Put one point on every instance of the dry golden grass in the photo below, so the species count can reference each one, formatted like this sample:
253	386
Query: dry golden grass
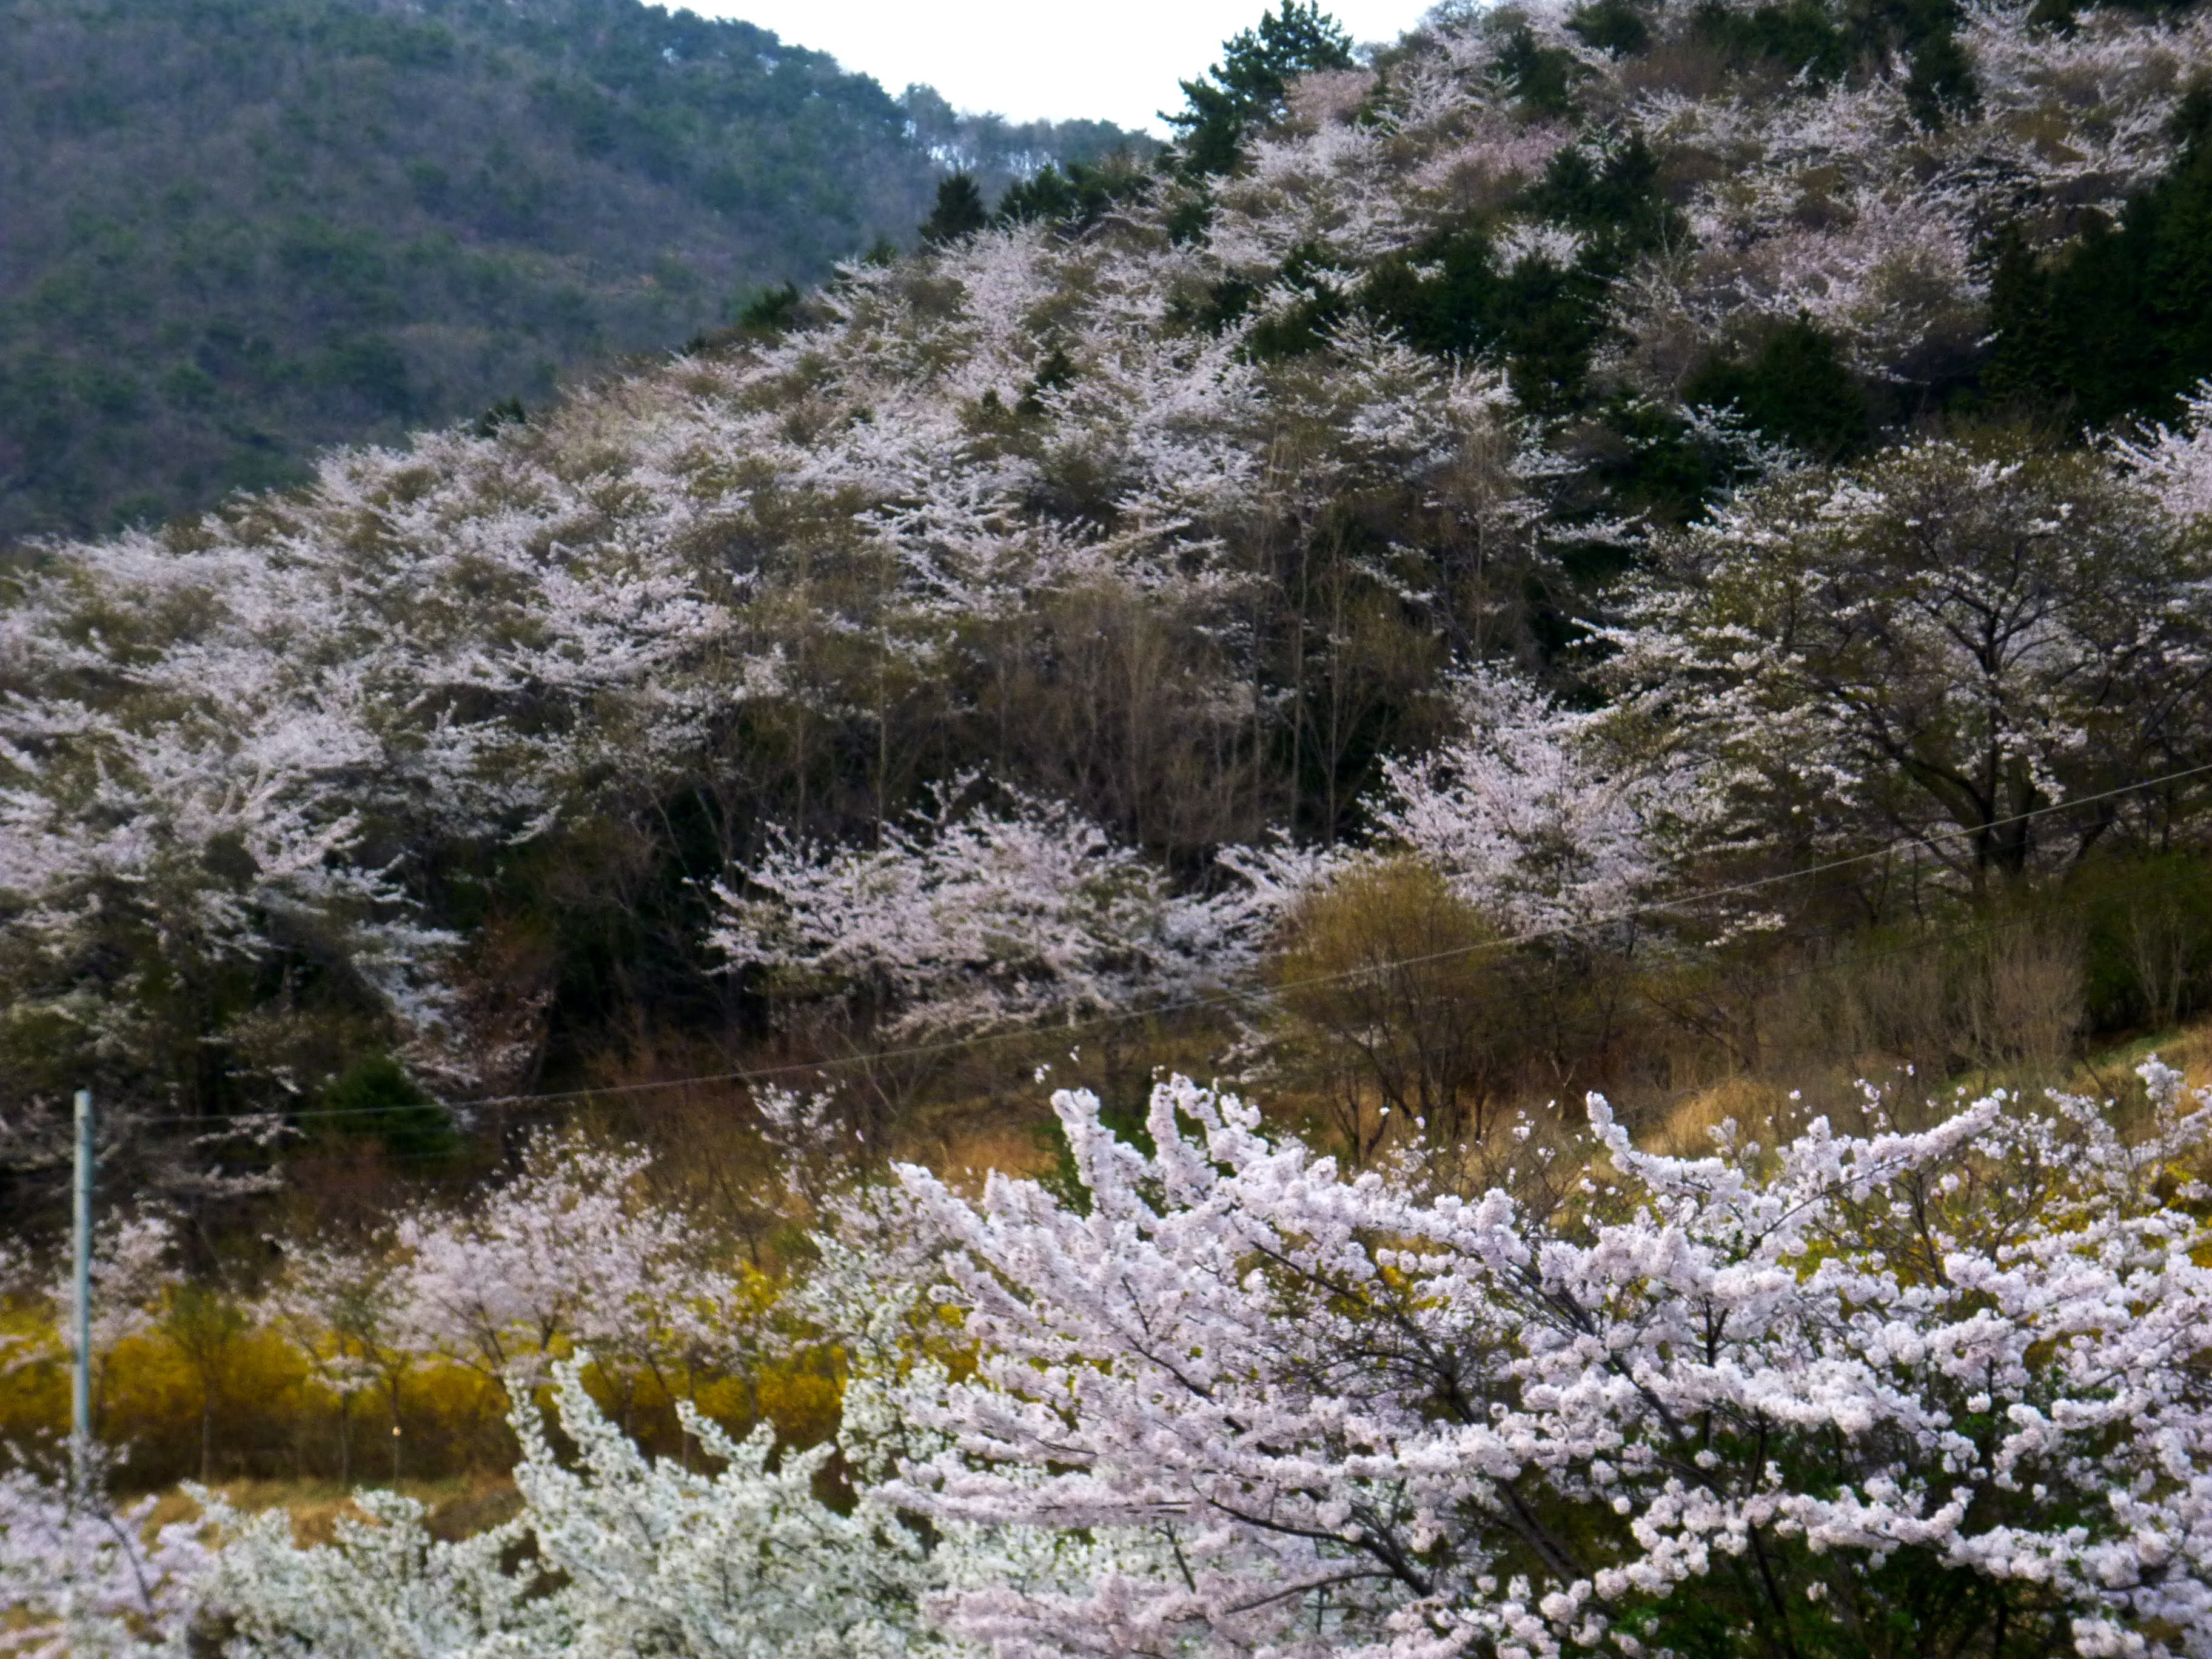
2188	1049
1764	1108
1754	1104
967	1151
458	1507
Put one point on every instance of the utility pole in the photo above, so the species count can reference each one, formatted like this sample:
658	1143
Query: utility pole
81	1403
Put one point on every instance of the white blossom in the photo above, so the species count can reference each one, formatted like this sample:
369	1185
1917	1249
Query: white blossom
968	916
1377	1420
1526	817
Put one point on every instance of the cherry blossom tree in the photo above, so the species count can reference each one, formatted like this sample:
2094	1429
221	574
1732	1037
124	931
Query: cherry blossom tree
571	1254
134	1275
1940	645
1529	818
626	1553
385	1588
82	1580
972	916
1890	1387
2177	463
1942	1383
346	1310
1175	522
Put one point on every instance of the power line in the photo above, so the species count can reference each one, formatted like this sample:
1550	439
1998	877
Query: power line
1223	1000
467	1178
1919	943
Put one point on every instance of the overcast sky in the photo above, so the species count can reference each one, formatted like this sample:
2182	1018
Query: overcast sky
1115	60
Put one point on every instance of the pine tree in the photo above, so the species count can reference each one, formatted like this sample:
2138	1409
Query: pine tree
2120	324
1248	85
959	212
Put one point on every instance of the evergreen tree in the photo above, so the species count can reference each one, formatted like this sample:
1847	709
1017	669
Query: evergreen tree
959	211
2121	324
1796	389
1247	85
1076	196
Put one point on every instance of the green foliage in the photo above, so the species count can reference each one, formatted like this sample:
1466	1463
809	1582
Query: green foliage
1073	197
1543	76
1827	43
1942	79
1377	975
507	412
376	1100
1449	296
238	232
2120	324
2147	922
1647	460
1055	372
1247	85
1803	36
768	314
999	152
1613	198
1795	389
1914	1602
1612	25
959	211
1302	327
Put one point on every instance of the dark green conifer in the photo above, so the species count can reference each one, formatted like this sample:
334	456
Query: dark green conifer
2121	324
1247	85
959	212
1795	389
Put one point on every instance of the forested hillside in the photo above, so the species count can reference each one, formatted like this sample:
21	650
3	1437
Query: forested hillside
1604	616
238	230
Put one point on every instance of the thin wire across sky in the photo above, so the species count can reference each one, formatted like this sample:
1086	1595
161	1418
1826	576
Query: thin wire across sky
1233	997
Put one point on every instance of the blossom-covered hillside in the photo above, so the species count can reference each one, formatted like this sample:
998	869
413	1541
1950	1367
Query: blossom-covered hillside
1607	610
1584	456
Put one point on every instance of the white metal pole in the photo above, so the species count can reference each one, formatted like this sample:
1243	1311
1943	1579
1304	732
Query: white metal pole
80	1404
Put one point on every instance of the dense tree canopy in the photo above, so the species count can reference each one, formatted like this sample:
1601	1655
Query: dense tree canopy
238	231
1534	605
1097	585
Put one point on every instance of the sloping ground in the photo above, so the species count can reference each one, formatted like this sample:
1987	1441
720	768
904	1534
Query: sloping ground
238	232
1519	475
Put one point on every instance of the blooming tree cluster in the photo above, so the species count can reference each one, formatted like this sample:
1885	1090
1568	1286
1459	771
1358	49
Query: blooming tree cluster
1239	535
972	918
574	1253
2177	463
612	1553
577	1253
1177	521
1833	197
133	1271
1943	1383
626	1554
1529	818
80	1578
1938	1388
1940	644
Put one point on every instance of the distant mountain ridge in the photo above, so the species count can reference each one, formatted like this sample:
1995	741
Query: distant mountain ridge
240	230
